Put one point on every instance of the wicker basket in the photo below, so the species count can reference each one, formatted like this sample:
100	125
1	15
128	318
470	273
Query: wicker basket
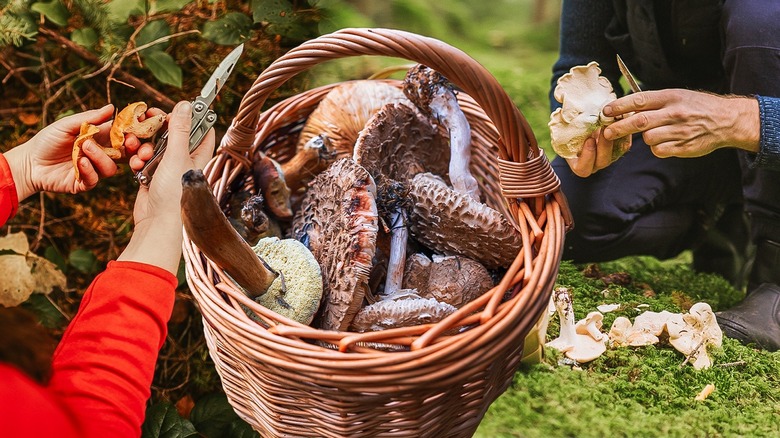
276	373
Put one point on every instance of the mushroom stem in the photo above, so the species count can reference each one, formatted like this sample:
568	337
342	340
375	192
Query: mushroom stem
568	335
444	106
210	230
397	259
307	163
428	90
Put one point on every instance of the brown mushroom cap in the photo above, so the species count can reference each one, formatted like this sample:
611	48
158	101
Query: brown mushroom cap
453	223
338	222
399	142
403	312
457	280
417	273
343	113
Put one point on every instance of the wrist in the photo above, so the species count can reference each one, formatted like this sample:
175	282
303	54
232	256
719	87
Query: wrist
19	163
747	124
157	242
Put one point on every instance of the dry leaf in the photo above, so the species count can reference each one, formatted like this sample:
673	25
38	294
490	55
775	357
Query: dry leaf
23	272
30	119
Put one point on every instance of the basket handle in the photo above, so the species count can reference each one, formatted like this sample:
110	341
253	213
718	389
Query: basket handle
517	142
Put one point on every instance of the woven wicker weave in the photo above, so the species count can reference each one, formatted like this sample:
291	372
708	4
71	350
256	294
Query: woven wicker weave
277	374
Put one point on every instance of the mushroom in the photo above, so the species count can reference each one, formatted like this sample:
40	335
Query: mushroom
578	347
210	230
453	223
397	143
618	333
591	325
128	121
417	273
583	93
310	160
297	291
456	280
247	215
694	333
338	222
428	90
647	328
344	111
400	310
269	180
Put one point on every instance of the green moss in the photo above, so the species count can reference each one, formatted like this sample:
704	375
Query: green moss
642	391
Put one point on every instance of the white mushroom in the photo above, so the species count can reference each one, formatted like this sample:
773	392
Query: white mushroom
591	325
583	93
646	329
428	89
697	330
579	347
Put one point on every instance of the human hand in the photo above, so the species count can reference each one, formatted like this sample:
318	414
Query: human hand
44	162
685	123
157	236
596	154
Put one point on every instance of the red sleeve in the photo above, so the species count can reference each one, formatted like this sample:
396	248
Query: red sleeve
9	202
103	367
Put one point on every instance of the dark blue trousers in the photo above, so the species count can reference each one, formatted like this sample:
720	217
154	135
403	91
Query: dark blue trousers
642	204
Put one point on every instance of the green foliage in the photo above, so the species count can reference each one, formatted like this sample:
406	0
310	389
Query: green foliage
53	10
16	23
163	421
231	29
83	260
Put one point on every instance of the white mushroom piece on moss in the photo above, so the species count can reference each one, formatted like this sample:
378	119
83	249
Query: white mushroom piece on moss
338	222
454	280
697	331
402	309
576	346
397	143
431	93
455	224
646	329
281	275
583	93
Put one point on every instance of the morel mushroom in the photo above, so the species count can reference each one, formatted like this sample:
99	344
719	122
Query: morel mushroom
338	222
297	291
453	223
429	90
344	111
583	93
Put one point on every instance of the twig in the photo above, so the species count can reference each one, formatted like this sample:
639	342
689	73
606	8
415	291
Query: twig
164	102
41	223
693	353
732	364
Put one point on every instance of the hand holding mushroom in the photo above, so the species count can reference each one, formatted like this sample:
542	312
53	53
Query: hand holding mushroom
45	162
576	128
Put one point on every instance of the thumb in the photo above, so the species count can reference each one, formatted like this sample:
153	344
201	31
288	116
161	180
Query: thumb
179	124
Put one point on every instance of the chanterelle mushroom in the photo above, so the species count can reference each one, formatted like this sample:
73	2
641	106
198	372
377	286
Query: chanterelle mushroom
695	333
583	93
579	347
429	90
453	223
338	222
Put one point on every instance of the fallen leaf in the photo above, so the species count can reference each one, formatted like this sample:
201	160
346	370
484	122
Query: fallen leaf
30	119
25	273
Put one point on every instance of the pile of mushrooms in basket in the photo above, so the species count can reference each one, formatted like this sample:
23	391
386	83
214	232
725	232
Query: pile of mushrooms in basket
375	223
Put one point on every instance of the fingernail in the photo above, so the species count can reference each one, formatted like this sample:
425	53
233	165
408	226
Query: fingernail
88	146
184	107
607	110
607	133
